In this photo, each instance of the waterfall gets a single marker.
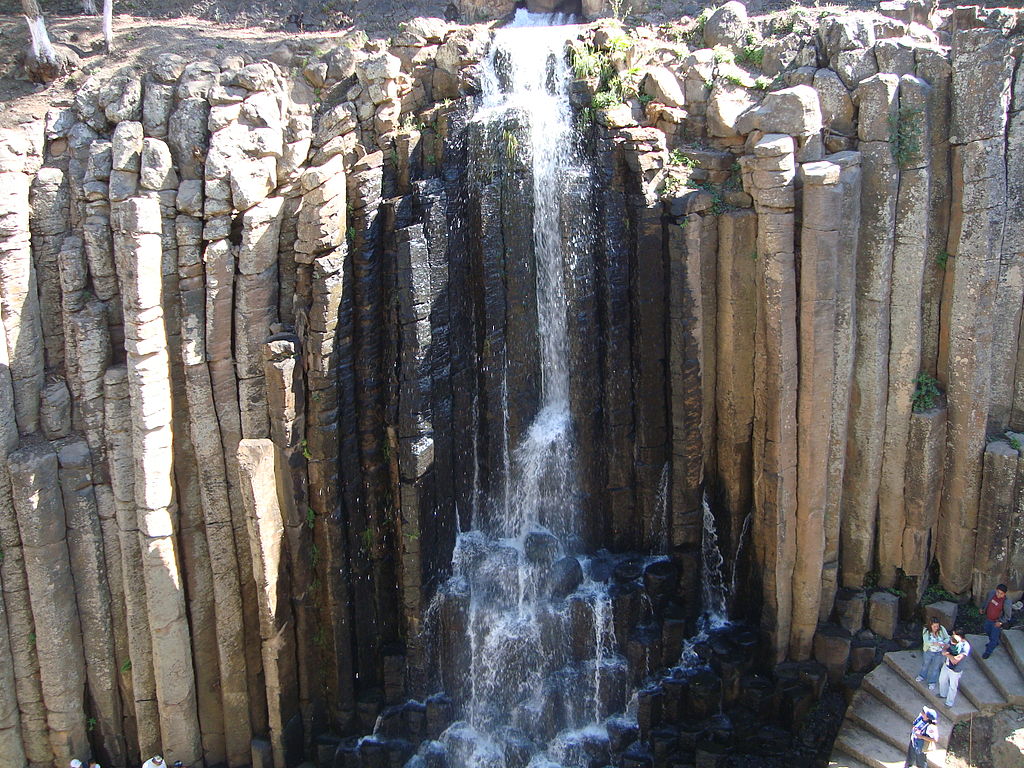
(540, 635)
(712, 582)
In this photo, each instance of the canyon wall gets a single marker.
(269, 329)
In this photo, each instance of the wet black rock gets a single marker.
(540, 548)
(440, 712)
(621, 733)
(563, 578)
(628, 570)
(660, 579)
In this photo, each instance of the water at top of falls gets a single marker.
(527, 75)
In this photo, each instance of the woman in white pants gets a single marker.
(949, 677)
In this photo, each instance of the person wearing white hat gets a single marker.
(75, 763)
(925, 731)
(154, 762)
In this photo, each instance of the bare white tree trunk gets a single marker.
(108, 24)
(89, 7)
(42, 48)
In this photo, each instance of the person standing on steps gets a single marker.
(925, 731)
(998, 612)
(154, 762)
(949, 677)
(935, 638)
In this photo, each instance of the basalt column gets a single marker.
(650, 371)
(323, 274)
(89, 569)
(878, 109)
(14, 247)
(205, 434)
(910, 254)
(692, 245)
(615, 316)
(737, 315)
(139, 664)
(819, 245)
(266, 489)
(58, 638)
(137, 250)
(982, 72)
(843, 339)
(770, 175)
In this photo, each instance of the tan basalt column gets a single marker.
(138, 254)
(734, 393)
(92, 594)
(14, 585)
(58, 633)
(265, 488)
(842, 377)
(19, 299)
(12, 746)
(1013, 234)
(982, 74)
(996, 512)
(922, 489)
(286, 409)
(214, 500)
(878, 107)
(910, 254)
(769, 176)
(256, 305)
(219, 261)
(12, 751)
(50, 221)
(819, 245)
(139, 664)
(934, 68)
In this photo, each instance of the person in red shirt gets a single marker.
(998, 611)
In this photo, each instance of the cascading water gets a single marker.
(532, 688)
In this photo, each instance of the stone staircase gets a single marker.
(876, 730)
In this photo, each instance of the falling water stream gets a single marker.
(524, 579)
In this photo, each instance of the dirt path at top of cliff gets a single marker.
(137, 41)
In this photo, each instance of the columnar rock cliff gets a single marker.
(269, 328)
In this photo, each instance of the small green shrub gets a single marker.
(935, 593)
(1013, 441)
(676, 157)
(905, 130)
(942, 259)
(926, 392)
(970, 619)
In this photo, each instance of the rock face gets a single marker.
(263, 355)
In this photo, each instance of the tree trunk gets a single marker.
(89, 7)
(42, 48)
(108, 24)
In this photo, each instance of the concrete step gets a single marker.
(874, 715)
(908, 663)
(975, 684)
(1001, 670)
(888, 686)
(1013, 641)
(878, 753)
(839, 760)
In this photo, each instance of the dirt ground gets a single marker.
(988, 742)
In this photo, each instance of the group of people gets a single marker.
(943, 664)
(156, 761)
(944, 652)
